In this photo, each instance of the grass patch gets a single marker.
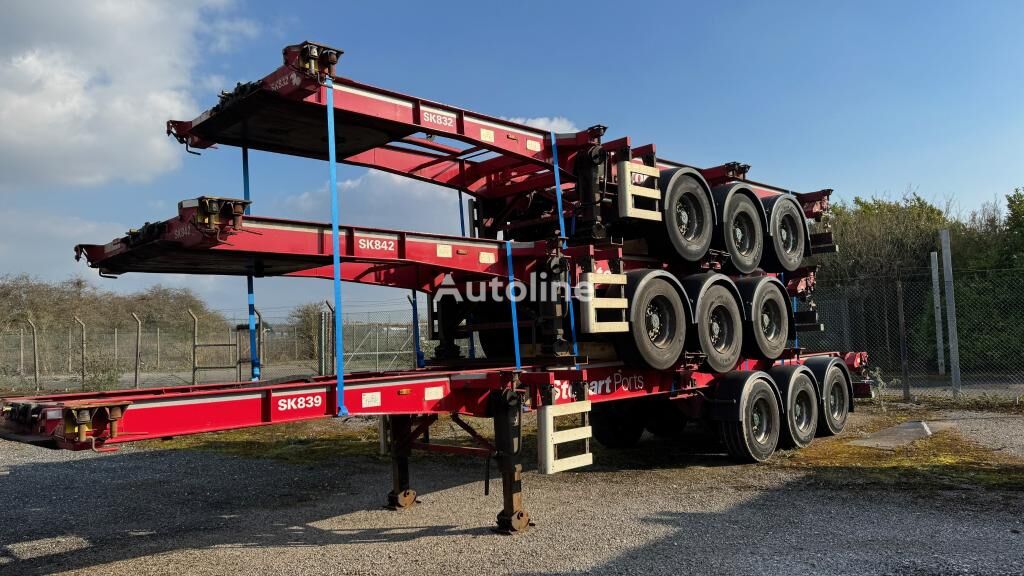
(304, 443)
(943, 461)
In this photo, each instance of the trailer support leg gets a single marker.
(401, 496)
(507, 409)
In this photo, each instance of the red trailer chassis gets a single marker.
(510, 169)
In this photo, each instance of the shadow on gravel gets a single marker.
(77, 514)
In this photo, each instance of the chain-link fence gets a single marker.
(903, 324)
(292, 345)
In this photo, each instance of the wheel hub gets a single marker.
(657, 322)
(720, 329)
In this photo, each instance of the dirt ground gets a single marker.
(306, 499)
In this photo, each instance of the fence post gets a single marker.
(138, 346)
(35, 353)
(260, 352)
(195, 341)
(71, 329)
(331, 336)
(82, 324)
(21, 351)
(157, 346)
(940, 350)
(321, 344)
(954, 343)
(904, 366)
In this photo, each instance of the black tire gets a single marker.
(756, 435)
(742, 233)
(498, 344)
(789, 236)
(768, 328)
(657, 325)
(835, 402)
(719, 328)
(800, 419)
(617, 424)
(664, 420)
(687, 217)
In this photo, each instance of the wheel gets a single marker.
(617, 424)
(719, 328)
(800, 418)
(657, 325)
(755, 436)
(664, 420)
(768, 328)
(788, 236)
(498, 343)
(835, 401)
(743, 234)
(687, 217)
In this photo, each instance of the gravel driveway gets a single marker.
(158, 511)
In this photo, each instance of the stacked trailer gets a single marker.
(669, 291)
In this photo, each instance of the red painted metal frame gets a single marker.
(242, 245)
(182, 410)
(497, 158)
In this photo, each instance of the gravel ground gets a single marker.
(153, 511)
(997, 430)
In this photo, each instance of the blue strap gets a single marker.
(339, 345)
(250, 292)
(512, 303)
(561, 232)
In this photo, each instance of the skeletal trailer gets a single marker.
(692, 280)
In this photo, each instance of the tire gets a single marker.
(835, 402)
(657, 325)
(498, 344)
(617, 424)
(742, 233)
(756, 435)
(664, 420)
(800, 418)
(788, 236)
(767, 331)
(687, 217)
(719, 328)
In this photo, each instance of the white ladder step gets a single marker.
(548, 438)
(629, 192)
(589, 324)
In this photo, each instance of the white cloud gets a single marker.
(556, 124)
(225, 33)
(85, 87)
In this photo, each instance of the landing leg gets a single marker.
(401, 496)
(506, 407)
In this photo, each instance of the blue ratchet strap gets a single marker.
(339, 345)
(512, 303)
(561, 232)
(254, 363)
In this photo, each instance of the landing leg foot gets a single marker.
(401, 500)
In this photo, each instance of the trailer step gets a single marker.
(549, 438)
(614, 305)
(639, 200)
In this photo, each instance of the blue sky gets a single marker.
(868, 98)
